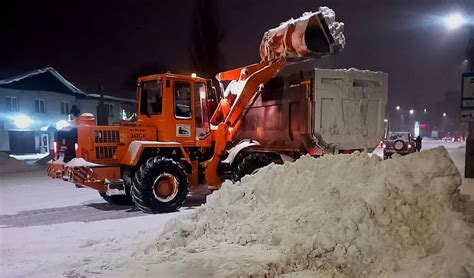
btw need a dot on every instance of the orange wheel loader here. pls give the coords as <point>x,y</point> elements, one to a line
<point>186,134</point>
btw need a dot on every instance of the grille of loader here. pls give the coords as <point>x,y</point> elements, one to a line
<point>106,137</point>
<point>105,152</point>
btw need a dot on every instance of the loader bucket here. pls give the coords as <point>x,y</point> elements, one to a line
<point>314,34</point>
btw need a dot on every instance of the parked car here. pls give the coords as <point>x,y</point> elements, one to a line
<point>398,142</point>
<point>453,138</point>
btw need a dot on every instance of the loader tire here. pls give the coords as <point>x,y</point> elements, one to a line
<point>250,164</point>
<point>122,200</point>
<point>160,185</point>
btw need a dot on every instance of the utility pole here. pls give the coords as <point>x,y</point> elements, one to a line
<point>469,162</point>
<point>102,112</point>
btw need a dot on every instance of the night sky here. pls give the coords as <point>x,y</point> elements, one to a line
<point>109,42</point>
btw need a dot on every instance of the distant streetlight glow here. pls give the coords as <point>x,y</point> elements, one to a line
<point>385,120</point>
<point>22,121</point>
<point>398,107</point>
<point>425,110</point>
<point>454,20</point>
<point>412,111</point>
<point>444,114</point>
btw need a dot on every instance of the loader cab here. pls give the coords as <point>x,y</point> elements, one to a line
<point>177,106</point>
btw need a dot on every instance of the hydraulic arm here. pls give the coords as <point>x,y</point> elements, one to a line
<point>314,34</point>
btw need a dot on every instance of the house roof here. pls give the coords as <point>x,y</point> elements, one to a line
<point>48,79</point>
<point>112,98</point>
<point>41,79</point>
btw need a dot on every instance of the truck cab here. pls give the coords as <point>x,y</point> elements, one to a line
<point>178,106</point>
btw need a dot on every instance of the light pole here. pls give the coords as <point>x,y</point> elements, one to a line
<point>469,167</point>
<point>402,118</point>
<point>453,21</point>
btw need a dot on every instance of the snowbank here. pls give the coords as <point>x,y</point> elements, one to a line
<point>10,165</point>
<point>344,215</point>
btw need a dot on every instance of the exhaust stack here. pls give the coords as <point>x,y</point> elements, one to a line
<point>314,34</point>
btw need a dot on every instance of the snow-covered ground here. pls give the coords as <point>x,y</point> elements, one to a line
<point>35,156</point>
<point>457,152</point>
<point>48,227</point>
<point>51,229</point>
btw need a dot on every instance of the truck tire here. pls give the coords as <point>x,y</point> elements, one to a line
<point>122,200</point>
<point>160,185</point>
<point>250,163</point>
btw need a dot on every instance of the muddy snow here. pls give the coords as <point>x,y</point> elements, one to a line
<point>9,164</point>
<point>337,216</point>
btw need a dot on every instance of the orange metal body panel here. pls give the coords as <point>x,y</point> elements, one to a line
<point>55,170</point>
<point>238,73</point>
<point>136,148</point>
<point>158,131</point>
<point>95,143</point>
<point>225,129</point>
<point>166,123</point>
<point>194,178</point>
<point>92,177</point>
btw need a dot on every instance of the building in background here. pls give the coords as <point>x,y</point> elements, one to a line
<point>34,104</point>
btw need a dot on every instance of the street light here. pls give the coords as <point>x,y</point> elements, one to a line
<point>454,20</point>
<point>398,107</point>
<point>412,111</point>
<point>425,110</point>
<point>444,114</point>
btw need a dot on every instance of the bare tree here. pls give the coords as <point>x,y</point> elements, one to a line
<point>206,38</point>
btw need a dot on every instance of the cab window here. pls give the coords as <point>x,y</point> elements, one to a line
<point>182,100</point>
<point>151,97</point>
<point>200,106</point>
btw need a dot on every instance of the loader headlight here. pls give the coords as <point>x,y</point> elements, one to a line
<point>22,121</point>
<point>62,124</point>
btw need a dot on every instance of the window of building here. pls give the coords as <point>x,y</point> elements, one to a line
<point>65,108</point>
<point>182,100</point>
<point>11,103</point>
<point>151,98</point>
<point>39,106</point>
<point>110,109</point>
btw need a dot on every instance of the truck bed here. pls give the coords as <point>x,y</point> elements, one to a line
<point>341,108</point>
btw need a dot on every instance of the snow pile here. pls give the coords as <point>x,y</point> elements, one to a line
<point>336,28</point>
<point>9,165</point>
<point>80,162</point>
<point>343,215</point>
